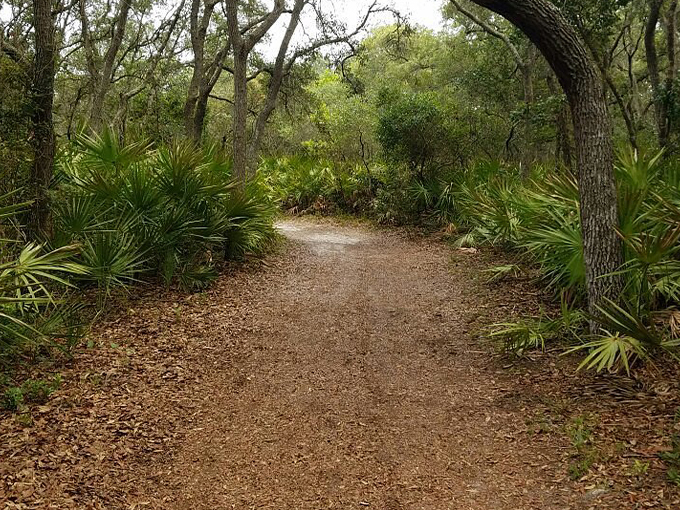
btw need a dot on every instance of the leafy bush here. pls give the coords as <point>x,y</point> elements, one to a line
<point>672,456</point>
<point>15,125</point>
<point>413,129</point>
<point>123,213</point>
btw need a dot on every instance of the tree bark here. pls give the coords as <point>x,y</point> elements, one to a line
<point>671,38</point>
<point>563,148</point>
<point>194,113</point>
<point>672,72</point>
<point>39,225</point>
<point>660,109</point>
<point>242,44</point>
<point>102,78</point>
<point>566,53</point>
<point>240,112</point>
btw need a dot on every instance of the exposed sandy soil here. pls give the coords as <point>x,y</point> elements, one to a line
<point>342,374</point>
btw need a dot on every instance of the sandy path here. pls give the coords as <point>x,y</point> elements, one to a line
<point>357,385</point>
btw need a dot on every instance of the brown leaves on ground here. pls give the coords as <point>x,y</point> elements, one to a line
<point>346,373</point>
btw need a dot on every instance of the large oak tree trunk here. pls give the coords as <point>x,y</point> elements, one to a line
<point>550,31</point>
<point>43,128</point>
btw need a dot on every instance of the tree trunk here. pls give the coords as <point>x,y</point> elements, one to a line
<point>102,80</point>
<point>190,115</point>
<point>280,68</point>
<point>654,74</point>
<point>242,43</point>
<point>527,70</point>
<point>197,30</point>
<point>604,64</point>
<point>672,72</point>
<point>529,153</point>
<point>563,148</point>
<point>550,31</point>
<point>189,110</point>
<point>671,36</point>
<point>43,128</point>
<point>200,110</point>
<point>97,105</point>
<point>240,111</point>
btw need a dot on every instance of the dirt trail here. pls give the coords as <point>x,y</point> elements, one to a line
<point>341,373</point>
<point>357,384</point>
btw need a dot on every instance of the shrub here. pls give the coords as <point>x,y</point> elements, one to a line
<point>32,391</point>
<point>306,184</point>
<point>123,213</point>
<point>542,219</point>
<point>30,311</point>
<point>169,213</point>
<point>413,130</point>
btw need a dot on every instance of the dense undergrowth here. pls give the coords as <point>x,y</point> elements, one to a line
<point>538,220</point>
<point>123,215</point>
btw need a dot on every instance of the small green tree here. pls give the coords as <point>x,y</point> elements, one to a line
<point>412,130</point>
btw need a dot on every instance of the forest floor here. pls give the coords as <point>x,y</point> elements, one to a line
<point>344,372</point>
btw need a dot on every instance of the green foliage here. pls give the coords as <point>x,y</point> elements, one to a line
<point>170,213</point>
<point>344,122</point>
<point>26,296</point>
<point>12,399</point>
<point>123,213</point>
<point>490,210</point>
<point>527,334</point>
<point>627,337</point>
<point>585,455</point>
<point>639,468</point>
<point>541,219</point>
<point>672,460</point>
<point>15,117</point>
<point>38,391</point>
<point>112,259</point>
<point>534,333</point>
<point>303,184</point>
<point>500,273</point>
<point>489,204</point>
<point>610,350</point>
<point>412,130</point>
<point>32,391</point>
<point>33,281</point>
